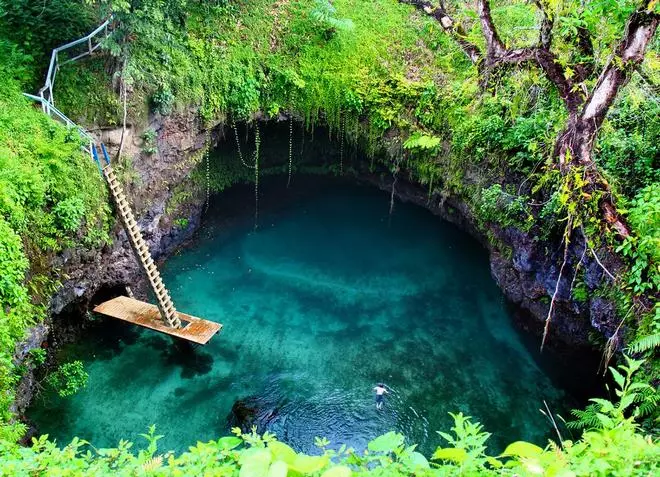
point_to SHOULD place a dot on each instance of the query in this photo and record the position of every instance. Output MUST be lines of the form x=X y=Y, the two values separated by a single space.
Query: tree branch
x=547 y=61
x=547 y=24
x=494 y=43
x=585 y=68
x=618 y=71
x=449 y=25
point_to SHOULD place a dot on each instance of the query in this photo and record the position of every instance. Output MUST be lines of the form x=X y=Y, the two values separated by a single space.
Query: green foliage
x=505 y=209
x=51 y=198
x=163 y=101
x=38 y=356
x=421 y=141
x=468 y=446
x=615 y=446
x=645 y=343
x=84 y=91
x=38 y=27
x=629 y=144
x=68 y=379
x=643 y=248
x=182 y=223
x=324 y=15
x=635 y=399
x=149 y=141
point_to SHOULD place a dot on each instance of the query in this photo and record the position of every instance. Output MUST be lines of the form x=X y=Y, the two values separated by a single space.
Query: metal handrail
x=46 y=92
x=52 y=111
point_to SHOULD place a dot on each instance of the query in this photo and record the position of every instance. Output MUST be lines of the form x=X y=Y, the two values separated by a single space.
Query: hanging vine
x=288 y=181
x=208 y=169
x=254 y=166
x=342 y=133
x=238 y=147
x=257 y=144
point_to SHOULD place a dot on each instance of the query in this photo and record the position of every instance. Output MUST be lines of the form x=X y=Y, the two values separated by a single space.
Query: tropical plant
x=325 y=15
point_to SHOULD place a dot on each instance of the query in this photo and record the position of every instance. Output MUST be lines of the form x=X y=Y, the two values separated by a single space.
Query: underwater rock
x=252 y=411
x=244 y=414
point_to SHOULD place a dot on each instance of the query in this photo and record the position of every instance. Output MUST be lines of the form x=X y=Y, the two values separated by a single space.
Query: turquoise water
x=328 y=297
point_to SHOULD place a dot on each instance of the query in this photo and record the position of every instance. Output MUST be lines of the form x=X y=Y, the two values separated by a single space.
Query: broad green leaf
x=415 y=461
x=522 y=449
x=386 y=443
x=339 y=471
x=230 y=442
x=255 y=463
x=627 y=401
x=533 y=466
x=618 y=377
x=635 y=386
x=305 y=464
x=454 y=454
x=282 y=452
x=605 y=421
x=606 y=405
x=278 y=469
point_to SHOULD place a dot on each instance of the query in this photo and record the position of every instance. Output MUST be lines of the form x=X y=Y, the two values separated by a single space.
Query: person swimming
x=380 y=392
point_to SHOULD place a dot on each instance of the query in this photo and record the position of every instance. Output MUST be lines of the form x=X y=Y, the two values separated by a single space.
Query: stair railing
x=90 y=43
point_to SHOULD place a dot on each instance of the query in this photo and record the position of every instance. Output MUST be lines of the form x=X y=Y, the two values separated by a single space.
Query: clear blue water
x=328 y=297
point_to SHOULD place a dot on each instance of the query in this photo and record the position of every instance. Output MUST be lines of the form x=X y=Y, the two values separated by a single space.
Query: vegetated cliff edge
x=149 y=178
x=158 y=184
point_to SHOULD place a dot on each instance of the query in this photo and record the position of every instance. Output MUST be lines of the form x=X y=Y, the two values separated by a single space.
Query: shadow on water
x=327 y=298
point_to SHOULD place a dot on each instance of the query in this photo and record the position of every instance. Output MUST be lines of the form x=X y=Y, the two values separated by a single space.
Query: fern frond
x=585 y=419
x=153 y=464
x=645 y=343
x=650 y=403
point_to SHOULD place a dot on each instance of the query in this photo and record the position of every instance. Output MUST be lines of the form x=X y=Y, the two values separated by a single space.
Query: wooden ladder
x=139 y=246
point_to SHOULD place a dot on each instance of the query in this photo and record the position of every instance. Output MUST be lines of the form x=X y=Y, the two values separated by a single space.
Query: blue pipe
x=95 y=154
x=105 y=154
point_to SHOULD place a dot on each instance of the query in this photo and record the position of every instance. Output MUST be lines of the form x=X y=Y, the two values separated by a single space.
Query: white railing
x=53 y=112
x=85 y=47
x=82 y=47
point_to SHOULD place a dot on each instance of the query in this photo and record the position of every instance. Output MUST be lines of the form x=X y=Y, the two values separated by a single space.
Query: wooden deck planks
x=147 y=315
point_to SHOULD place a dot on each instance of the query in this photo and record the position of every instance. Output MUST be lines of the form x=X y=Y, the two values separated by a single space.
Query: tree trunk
x=574 y=148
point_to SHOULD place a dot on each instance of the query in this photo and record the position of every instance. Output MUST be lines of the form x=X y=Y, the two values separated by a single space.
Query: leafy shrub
x=613 y=446
x=69 y=213
x=643 y=247
x=51 y=197
x=149 y=141
x=68 y=378
x=163 y=101
x=507 y=210
x=325 y=16
x=37 y=356
x=38 y=27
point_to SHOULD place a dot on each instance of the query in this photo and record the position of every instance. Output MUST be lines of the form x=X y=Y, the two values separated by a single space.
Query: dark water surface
x=327 y=298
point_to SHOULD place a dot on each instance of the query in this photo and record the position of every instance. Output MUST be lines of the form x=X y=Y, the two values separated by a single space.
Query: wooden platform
x=147 y=315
